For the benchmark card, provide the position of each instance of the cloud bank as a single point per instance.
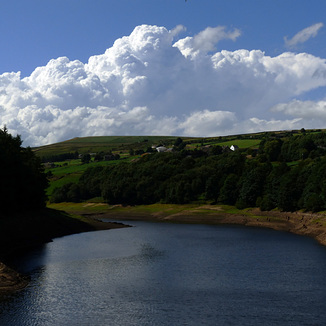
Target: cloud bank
(150, 83)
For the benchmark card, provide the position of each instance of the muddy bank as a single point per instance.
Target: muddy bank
(306, 224)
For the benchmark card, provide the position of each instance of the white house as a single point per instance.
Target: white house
(234, 147)
(161, 149)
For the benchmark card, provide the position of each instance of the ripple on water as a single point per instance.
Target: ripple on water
(172, 274)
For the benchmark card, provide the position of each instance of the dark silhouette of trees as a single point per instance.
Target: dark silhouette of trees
(272, 149)
(59, 157)
(23, 181)
(252, 184)
(230, 190)
(86, 158)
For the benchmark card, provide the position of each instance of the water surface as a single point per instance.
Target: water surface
(172, 274)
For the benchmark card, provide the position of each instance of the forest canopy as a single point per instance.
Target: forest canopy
(288, 174)
(23, 182)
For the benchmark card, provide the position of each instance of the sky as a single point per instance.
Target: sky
(74, 68)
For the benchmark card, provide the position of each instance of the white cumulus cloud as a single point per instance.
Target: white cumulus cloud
(150, 83)
(313, 112)
(206, 40)
(304, 35)
(207, 122)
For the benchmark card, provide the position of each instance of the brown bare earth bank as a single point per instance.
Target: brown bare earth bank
(302, 223)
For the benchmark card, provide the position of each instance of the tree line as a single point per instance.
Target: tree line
(59, 157)
(289, 174)
(23, 182)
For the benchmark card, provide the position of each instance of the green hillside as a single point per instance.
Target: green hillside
(123, 144)
(102, 143)
(67, 165)
(67, 170)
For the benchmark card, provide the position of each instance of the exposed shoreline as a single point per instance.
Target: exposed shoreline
(305, 224)
(301, 223)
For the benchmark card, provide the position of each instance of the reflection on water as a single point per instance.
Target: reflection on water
(169, 274)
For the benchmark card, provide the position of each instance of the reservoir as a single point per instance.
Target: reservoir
(172, 274)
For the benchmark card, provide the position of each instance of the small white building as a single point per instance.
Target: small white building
(161, 149)
(234, 147)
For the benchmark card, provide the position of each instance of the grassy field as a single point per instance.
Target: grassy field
(118, 144)
(242, 143)
(71, 171)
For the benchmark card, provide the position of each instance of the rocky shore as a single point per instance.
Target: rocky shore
(10, 280)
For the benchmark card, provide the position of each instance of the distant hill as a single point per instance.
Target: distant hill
(122, 144)
(102, 143)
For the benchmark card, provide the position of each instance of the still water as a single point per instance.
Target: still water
(172, 274)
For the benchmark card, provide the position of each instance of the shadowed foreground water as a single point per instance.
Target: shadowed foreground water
(172, 274)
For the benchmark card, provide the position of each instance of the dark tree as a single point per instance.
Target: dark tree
(252, 184)
(178, 141)
(229, 191)
(272, 149)
(23, 181)
(86, 158)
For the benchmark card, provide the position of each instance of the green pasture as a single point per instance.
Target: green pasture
(75, 166)
(98, 144)
(242, 143)
(71, 171)
(68, 178)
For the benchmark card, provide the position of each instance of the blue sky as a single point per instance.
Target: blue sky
(32, 33)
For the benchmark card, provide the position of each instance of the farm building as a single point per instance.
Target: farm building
(161, 149)
(234, 147)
